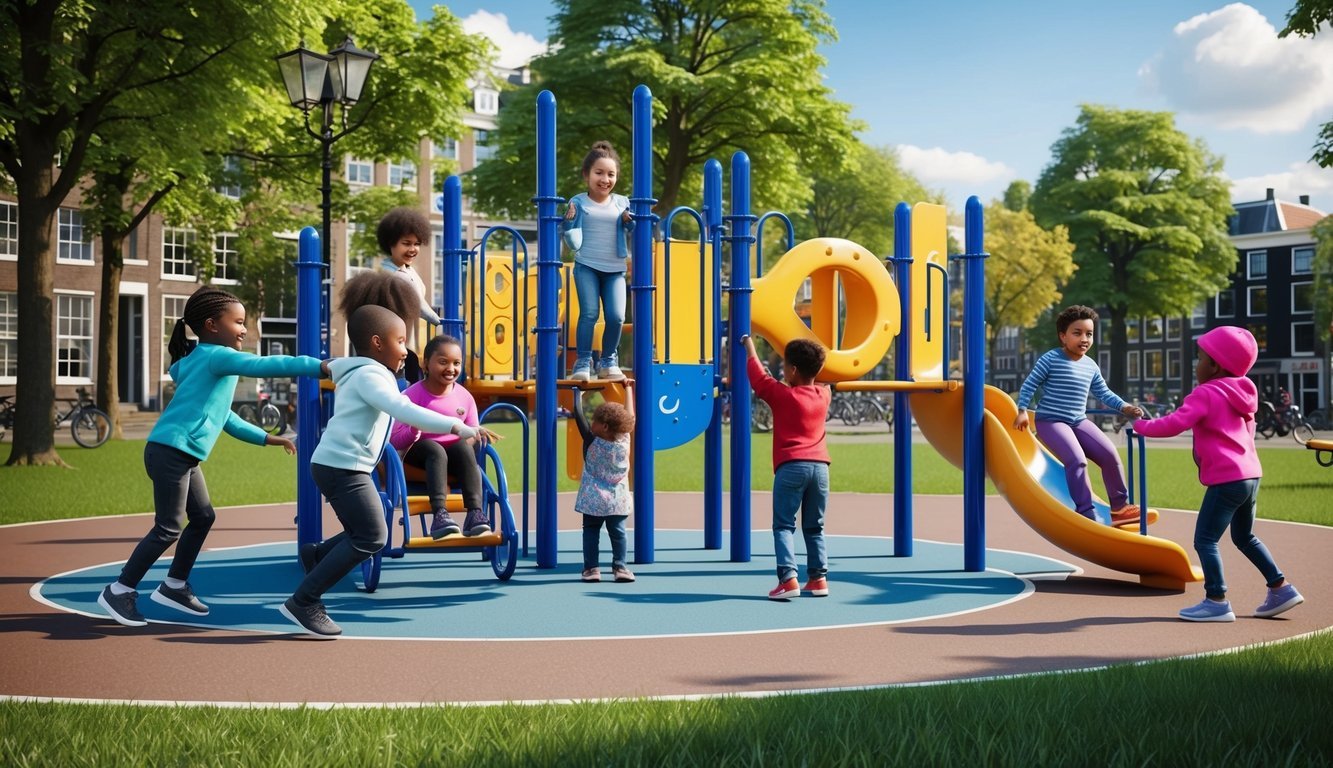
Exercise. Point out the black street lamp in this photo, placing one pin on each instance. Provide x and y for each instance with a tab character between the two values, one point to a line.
322	80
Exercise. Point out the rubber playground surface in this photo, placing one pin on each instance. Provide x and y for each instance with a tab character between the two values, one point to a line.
442	628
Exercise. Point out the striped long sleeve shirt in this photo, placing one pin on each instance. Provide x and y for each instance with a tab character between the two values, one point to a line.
1065	386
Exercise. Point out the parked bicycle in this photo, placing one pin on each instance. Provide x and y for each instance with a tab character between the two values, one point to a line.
263	413
761	415
6	414
844	406
1271	421
89	424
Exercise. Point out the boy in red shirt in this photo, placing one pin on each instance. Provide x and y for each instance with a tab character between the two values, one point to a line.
800	460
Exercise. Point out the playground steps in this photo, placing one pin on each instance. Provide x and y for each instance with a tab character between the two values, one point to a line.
455	541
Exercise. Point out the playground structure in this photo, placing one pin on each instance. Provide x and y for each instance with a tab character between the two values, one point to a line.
677	401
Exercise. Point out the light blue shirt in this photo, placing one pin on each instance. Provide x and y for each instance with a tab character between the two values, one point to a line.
1065	386
597	232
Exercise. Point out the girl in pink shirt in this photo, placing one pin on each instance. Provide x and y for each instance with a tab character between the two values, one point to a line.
1220	411
443	454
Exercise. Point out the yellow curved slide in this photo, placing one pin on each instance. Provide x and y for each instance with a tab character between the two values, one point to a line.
1032	481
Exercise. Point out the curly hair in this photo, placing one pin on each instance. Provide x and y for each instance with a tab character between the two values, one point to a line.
383	289
599	150
400	221
1069	315
806	356
616	417
203	305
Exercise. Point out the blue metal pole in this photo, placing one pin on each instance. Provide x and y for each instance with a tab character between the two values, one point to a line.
713	436
974	361
644	403
310	271
902	370
548	277
453	258
739	325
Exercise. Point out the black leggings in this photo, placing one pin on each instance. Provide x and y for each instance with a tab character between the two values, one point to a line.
179	494
437	460
356	502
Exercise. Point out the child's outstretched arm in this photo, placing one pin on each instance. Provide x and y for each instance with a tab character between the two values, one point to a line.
1192	410
385	396
230	362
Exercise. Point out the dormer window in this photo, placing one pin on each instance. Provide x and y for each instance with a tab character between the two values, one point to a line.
486	101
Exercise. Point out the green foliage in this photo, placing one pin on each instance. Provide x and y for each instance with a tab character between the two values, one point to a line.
1027	269
854	196
725	76
1323	278
1017	195
1146	208
1306	19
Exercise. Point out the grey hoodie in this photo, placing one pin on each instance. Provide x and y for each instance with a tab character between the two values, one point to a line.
367	396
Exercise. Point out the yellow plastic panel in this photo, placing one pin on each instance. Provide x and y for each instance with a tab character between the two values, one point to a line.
930	245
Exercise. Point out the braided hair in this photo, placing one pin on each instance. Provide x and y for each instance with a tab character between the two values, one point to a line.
203	305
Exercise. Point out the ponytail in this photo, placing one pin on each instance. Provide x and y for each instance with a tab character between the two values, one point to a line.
179	346
202	306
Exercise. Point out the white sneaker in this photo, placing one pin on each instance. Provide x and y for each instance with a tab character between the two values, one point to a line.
582	371
611	373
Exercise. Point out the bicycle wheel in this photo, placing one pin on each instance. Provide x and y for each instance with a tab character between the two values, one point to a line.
851	414
271	419
91	427
1303	432
249	412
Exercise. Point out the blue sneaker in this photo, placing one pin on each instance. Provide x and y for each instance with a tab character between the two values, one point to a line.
1209	610
582	370
1279	600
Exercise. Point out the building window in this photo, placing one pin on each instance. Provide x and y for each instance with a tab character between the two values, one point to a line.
1132	363
1302	298
1173	325
1104	360
445	150
74	336
1133	330
173	309
9	231
1199	315
403	174
360	171
361	257
1153	329
480	149
1226	303
1302	261
1258	301
9	335
1260	333
1256	265
224	257
74	244
1152	364
176	260
486	101
230	185
1302	338
1173	364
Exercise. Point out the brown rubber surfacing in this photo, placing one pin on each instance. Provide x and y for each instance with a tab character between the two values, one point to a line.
1091	620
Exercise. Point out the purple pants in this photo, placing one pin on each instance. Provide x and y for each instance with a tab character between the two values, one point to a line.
1077	444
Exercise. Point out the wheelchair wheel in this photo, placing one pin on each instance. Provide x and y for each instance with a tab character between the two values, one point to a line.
370	571
504	555
91	427
271	419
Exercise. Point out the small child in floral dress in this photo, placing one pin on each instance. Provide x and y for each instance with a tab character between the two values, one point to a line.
604	495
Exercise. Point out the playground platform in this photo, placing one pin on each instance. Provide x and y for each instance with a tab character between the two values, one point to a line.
442	629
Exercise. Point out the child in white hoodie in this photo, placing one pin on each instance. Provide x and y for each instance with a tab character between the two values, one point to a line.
367	397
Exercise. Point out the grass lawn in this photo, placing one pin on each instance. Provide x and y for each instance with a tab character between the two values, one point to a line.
1259	707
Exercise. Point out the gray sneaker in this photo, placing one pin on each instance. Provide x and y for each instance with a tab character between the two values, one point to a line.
476	523
443	525
123	608
182	599
311	618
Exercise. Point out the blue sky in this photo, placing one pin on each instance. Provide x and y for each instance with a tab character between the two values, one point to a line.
973	94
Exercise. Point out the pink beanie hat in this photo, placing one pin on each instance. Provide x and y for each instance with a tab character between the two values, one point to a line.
1232	348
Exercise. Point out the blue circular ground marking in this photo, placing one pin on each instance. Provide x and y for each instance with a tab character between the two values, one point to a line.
688	590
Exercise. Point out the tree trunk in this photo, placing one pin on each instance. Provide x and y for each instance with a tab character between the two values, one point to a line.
108	320
35	387
1119	343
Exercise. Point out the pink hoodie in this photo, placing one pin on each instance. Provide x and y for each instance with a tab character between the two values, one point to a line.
1221	413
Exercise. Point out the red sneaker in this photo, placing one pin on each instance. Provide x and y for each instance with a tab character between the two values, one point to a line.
1126	515
817	587
785	590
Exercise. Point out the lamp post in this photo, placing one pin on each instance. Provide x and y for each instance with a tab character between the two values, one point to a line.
322	80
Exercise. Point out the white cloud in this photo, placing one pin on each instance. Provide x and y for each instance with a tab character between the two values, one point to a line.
938	167
514	49
1299	179
1229	66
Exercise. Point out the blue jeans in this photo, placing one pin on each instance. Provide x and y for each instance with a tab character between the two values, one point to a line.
800	485
1230	504
599	290
592	535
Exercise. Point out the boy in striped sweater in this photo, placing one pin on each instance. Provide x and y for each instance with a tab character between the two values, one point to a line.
1066	376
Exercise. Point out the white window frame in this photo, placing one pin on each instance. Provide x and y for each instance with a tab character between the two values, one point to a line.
486	101
1173	369
1251	258
1104	359
1133	366
1303	352
406	171
446	151
1173	334
169	237
480	151
9	335
1148	356
9	231
225	259
359	262
69	221
232	191
353	172
1294	309
1217	303
64	334
1151	323
169	318
1199	315
1134	330
1249	301
1308	251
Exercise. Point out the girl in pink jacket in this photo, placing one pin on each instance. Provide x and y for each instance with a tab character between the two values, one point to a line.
1220	411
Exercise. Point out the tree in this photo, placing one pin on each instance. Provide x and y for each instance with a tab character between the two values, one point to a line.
724	76
1306	19
1027	268
854	197
1146	208
1017	195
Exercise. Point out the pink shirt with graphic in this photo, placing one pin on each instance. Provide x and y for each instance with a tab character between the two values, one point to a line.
457	402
